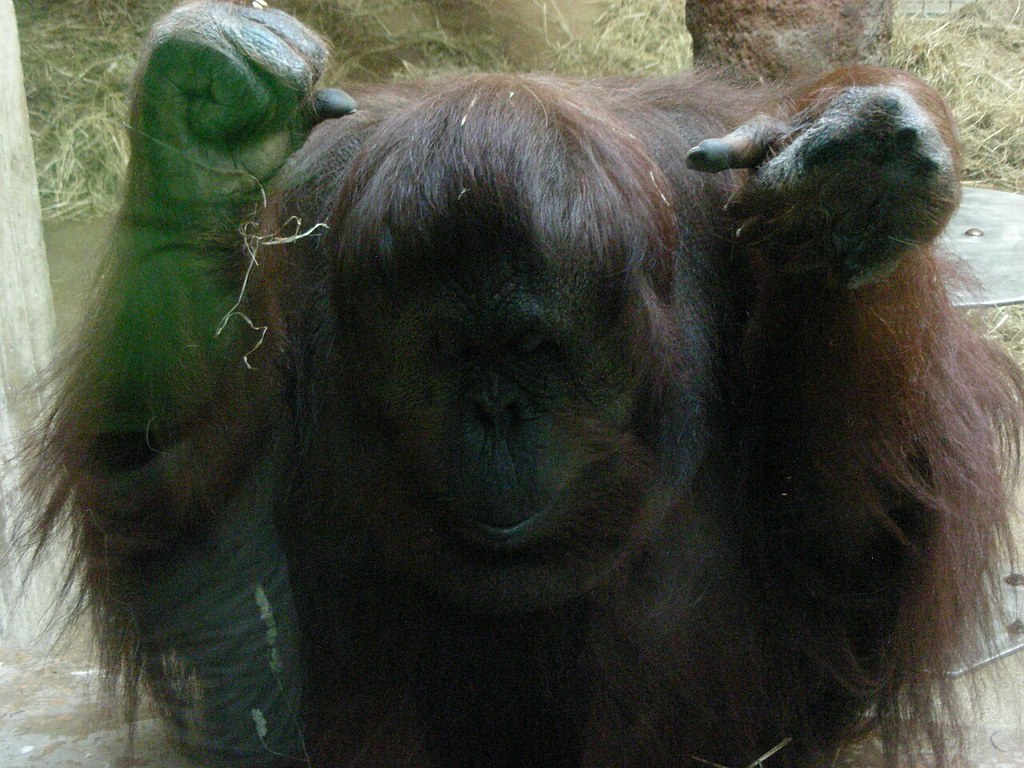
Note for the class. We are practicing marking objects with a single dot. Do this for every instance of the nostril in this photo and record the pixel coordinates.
(500, 415)
(498, 407)
(514, 413)
(484, 412)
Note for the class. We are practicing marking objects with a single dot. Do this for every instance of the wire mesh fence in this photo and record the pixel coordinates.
(928, 7)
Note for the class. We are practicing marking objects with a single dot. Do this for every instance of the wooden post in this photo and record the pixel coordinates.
(27, 333)
(787, 39)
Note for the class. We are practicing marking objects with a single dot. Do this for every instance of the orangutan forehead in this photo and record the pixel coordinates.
(507, 166)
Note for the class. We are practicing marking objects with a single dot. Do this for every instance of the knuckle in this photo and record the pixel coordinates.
(880, 125)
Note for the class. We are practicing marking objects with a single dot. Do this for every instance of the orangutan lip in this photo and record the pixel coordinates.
(499, 537)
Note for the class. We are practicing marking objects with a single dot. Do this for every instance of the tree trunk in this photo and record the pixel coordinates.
(27, 335)
(787, 39)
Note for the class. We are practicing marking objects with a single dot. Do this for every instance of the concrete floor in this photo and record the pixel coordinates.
(52, 716)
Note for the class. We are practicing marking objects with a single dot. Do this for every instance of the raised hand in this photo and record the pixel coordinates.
(223, 97)
(224, 94)
(861, 170)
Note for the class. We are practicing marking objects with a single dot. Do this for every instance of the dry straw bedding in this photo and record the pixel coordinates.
(78, 56)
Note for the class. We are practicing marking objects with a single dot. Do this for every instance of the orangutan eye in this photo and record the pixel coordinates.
(538, 345)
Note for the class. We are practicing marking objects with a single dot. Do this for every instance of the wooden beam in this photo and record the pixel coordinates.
(26, 331)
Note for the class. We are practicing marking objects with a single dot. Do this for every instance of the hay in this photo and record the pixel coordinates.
(635, 37)
(975, 58)
(78, 59)
(383, 39)
(377, 40)
(79, 56)
(1005, 325)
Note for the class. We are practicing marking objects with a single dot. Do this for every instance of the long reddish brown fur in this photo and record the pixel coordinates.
(877, 415)
(889, 392)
